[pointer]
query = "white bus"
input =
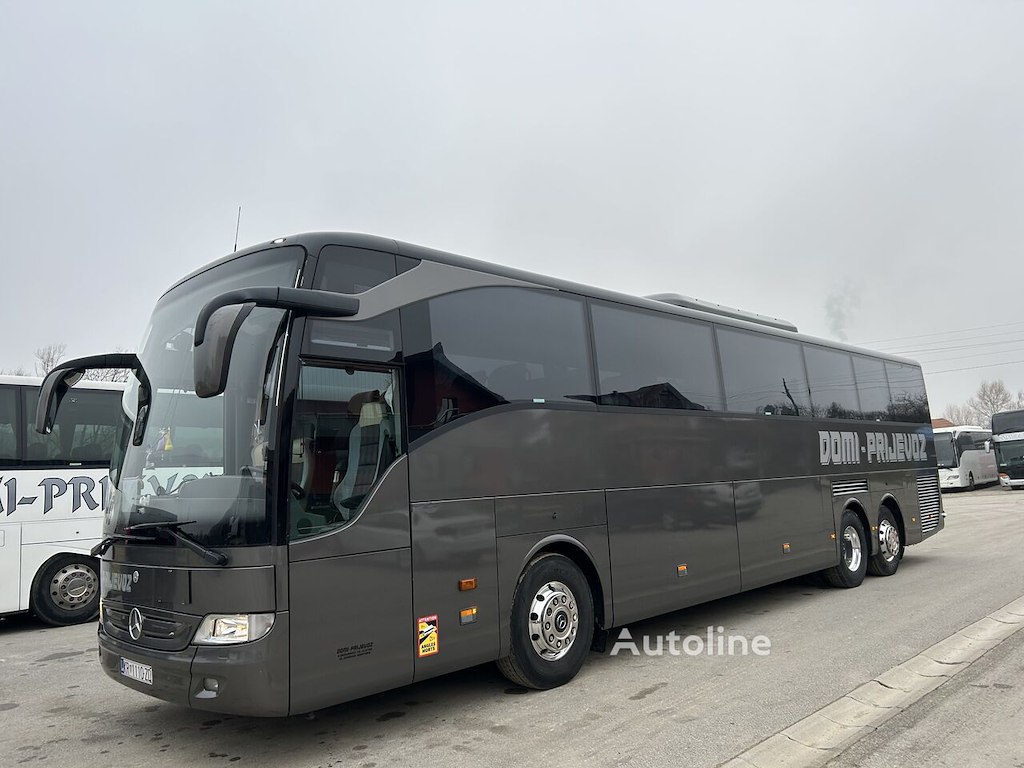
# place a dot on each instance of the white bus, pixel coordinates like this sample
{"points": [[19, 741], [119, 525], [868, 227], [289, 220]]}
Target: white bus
{"points": [[965, 457], [53, 490]]}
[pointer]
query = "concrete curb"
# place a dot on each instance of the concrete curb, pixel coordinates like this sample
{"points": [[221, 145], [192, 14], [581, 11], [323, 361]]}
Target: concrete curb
{"points": [[821, 736]]}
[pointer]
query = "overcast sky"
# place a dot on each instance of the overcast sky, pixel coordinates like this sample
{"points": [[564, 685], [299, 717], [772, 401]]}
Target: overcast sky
{"points": [[856, 168]]}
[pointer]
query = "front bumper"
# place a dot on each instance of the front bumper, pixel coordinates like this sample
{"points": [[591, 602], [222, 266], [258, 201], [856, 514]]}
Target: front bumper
{"points": [[251, 678], [1009, 484], [950, 481]]}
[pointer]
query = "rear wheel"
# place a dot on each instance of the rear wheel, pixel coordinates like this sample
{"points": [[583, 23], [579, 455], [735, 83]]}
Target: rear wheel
{"points": [[890, 546], [853, 554], [552, 624], [67, 590]]}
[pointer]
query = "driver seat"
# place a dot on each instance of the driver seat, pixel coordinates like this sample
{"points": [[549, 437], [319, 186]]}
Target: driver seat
{"points": [[367, 441]]}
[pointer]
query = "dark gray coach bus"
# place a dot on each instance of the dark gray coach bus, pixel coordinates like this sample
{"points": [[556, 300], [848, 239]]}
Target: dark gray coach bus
{"points": [[348, 464]]}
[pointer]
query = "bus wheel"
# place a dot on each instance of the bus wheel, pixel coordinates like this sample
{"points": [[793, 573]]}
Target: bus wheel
{"points": [[853, 554], [66, 590], [552, 624], [890, 546]]}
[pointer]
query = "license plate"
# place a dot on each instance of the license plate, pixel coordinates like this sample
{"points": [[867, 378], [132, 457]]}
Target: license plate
{"points": [[141, 672]]}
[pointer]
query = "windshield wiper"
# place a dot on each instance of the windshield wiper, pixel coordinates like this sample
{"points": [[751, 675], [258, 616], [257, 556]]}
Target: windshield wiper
{"points": [[109, 541], [170, 527]]}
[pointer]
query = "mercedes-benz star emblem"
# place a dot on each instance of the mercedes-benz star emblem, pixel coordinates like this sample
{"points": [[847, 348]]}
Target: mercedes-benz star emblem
{"points": [[135, 623]]}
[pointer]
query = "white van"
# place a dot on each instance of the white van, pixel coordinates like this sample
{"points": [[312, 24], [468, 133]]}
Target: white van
{"points": [[965, 457], [52, 493]]}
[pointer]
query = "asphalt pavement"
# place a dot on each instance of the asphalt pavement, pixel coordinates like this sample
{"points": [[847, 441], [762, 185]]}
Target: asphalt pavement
{"points": [[58, 708]]}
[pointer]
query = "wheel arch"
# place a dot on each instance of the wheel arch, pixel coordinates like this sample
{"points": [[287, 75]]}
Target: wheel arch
{"points": [[855, 506], [36, 580], [890, 503], [575, 550]]}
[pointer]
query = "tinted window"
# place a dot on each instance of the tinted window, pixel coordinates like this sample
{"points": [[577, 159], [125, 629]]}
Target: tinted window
{"points": [[763, 374], [654, 361], [352, 270], [378, 338], [476, 349], [833, 388], [945, 453], [906, 387], [8, 423], [84, 432], [872, 388], [1008, 421], [344, 436]]}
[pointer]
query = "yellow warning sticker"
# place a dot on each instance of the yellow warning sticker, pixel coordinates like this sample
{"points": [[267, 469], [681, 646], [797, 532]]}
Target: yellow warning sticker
{"points": [[427, 636]]}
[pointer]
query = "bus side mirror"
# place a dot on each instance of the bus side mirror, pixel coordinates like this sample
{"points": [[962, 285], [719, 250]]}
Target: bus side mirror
{"points": [[65, 375], [210, 359], [56, 384], [222, 316]]}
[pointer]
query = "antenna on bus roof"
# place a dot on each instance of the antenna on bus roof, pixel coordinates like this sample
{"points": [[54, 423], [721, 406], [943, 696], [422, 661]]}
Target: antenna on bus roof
{"points": [[238, 223], [687, 302]]}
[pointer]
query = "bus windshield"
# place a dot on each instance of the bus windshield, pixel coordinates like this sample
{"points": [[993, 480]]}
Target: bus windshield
{"points": [[202, 462], [945, 452], [1010, 454]]}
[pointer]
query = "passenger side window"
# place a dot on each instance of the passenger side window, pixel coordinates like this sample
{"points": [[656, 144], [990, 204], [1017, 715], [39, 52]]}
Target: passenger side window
{"points": [[476, 349], [345, 434], [84, 432], [763, 374], [833, 388], [654, 361], [8, 423], [872, 388], [907, 393]]}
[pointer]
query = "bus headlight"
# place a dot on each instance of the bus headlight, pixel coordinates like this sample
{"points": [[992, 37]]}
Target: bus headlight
{"points": [[228, 629]]}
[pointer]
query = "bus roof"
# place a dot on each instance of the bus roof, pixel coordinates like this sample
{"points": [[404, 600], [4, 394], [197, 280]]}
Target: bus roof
{"points": [[35, 381], [959, 429], [314, 241]]}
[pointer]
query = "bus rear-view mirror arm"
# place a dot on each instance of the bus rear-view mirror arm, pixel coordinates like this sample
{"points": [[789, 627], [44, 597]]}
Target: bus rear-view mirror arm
{"points": [[65, 375], [222, 316]]}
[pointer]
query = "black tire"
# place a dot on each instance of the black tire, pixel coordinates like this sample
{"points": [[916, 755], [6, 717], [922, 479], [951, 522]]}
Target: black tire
{"points": [[970, 482], [67, 590], [849, 572], [546, 581], [890, 546]]}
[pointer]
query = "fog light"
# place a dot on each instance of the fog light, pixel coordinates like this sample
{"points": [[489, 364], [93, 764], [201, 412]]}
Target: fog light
{"points": [[211, 684]]}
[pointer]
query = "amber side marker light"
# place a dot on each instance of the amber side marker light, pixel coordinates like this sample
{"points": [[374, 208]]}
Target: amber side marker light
{"points": [[467, 615], [681, 570], [467, 584]]}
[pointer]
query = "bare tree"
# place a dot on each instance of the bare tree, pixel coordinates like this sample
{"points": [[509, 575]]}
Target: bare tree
{"points": [[991, 397], [960, 414], [19, 371], [47, 357]]}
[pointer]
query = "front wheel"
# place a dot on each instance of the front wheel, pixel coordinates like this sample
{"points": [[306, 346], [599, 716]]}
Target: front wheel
{"points": [[67, 590], [552, 624], [970, 482], [890, 546], [853, 554]]}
